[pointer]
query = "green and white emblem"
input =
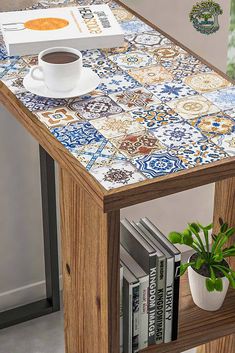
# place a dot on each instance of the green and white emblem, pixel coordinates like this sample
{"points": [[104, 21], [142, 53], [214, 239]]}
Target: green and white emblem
{"points": [[205, 16]]}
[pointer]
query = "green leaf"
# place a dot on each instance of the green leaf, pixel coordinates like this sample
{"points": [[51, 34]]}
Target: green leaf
{"points": [[194, 228], [218, 284], [231, 280], [221, 243], [216, 242], [218, 257], [230, 232], [209, 227], [187, 239], [224, 227], [187, 232], [175, 237], [184, 267], [214, 236], [199, 262], [210, 285]]}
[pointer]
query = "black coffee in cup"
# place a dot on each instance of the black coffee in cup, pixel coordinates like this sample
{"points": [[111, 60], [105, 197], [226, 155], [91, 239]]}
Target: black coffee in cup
{"points": [[60, 57]]}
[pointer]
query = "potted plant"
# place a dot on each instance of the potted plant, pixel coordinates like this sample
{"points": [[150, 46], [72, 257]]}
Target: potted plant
{"points": [[208, 270]]}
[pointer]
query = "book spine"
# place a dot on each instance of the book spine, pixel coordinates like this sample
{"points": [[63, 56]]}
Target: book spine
{"points": [[152, 299], [130, 316], [176, 301], [135, 319], [143, 333], [121, 310], [169, 300], [160, 301], [126, 315]]}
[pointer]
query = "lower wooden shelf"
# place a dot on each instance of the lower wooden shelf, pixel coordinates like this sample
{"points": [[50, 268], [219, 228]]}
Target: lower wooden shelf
{"points": [[197, 326]]}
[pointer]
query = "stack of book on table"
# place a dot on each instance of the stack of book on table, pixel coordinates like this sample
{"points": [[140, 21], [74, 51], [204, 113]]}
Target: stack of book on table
{"points": [[149, 286]]}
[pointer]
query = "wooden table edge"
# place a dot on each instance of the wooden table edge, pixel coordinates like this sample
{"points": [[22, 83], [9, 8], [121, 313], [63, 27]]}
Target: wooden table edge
{"points": [[55, 148], [169, 184]]}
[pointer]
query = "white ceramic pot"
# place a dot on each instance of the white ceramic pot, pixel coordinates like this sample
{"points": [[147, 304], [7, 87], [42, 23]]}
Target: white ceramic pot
{"points": [[209, 301]]}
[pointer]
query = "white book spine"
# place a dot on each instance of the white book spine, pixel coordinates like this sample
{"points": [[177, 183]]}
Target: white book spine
{"points": [[160, 303], [121, 310], [143, 332], [130, 319], [169, 300], [136, 319]]}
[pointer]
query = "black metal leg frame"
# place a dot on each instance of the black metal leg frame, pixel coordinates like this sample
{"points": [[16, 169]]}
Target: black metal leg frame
{"points": [[52, 301]]}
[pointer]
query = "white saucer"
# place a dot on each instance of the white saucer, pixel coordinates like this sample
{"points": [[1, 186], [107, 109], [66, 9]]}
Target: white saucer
{"points": [[87, 83]]}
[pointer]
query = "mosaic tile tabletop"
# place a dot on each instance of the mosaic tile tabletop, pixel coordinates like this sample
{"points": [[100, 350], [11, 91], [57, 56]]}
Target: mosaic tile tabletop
{"points": [[158, 109]]}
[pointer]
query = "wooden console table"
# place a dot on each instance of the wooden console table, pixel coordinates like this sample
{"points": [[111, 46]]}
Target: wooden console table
{"points": [[150, 85]]}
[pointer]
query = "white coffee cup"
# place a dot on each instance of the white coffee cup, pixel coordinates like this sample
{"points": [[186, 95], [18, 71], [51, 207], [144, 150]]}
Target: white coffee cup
{"points": [[59, 77]]}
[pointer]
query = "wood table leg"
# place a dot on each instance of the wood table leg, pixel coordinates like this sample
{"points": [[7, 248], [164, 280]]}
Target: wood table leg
{"points": [[90, 252], [224, 208]]}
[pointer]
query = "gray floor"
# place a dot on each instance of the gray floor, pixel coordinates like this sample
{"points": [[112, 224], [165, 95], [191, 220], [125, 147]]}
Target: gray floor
{"points": [[42, 335]]}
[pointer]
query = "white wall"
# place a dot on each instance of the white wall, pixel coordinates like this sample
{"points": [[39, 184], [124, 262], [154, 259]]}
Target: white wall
{"points": [[21, 246], [21, 250]]}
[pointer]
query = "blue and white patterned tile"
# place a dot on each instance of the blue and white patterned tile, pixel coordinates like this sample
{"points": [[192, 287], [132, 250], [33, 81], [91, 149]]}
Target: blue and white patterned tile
{"points": [[136, 98], [34, 103], [76, 135], [177, 134], [199, 153], [15, 84], [8, 62], [133, 60], [114, 5], [98, 154], [224, 99], [95, 108], [106, 68], [171, 90], [148, 40], [117, 125], [225, 142], [117, 174], [214, 124], [3, 53], [135, 26], [117, 83], [90, 57], [155, 115], [185, 65], [13, 69], [158, 164]]}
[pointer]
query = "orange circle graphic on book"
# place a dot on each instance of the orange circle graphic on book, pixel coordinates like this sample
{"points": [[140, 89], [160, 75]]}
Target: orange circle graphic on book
{"points": [[46, 24]]}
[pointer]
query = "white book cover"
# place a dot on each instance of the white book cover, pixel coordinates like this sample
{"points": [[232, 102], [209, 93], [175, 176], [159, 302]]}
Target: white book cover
{"points": [[85, 27], [121, 308]]}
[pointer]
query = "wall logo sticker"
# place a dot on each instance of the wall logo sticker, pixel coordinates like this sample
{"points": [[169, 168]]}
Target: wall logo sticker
{"points": [[205, 16]]}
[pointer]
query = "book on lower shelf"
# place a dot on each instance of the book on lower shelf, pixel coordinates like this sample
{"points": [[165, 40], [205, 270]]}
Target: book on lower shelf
{"points": [[150, 297], [83, 27]]}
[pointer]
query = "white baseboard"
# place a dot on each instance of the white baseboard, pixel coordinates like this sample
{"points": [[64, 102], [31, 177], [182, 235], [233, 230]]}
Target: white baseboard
{"points": [[23, 295]]}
